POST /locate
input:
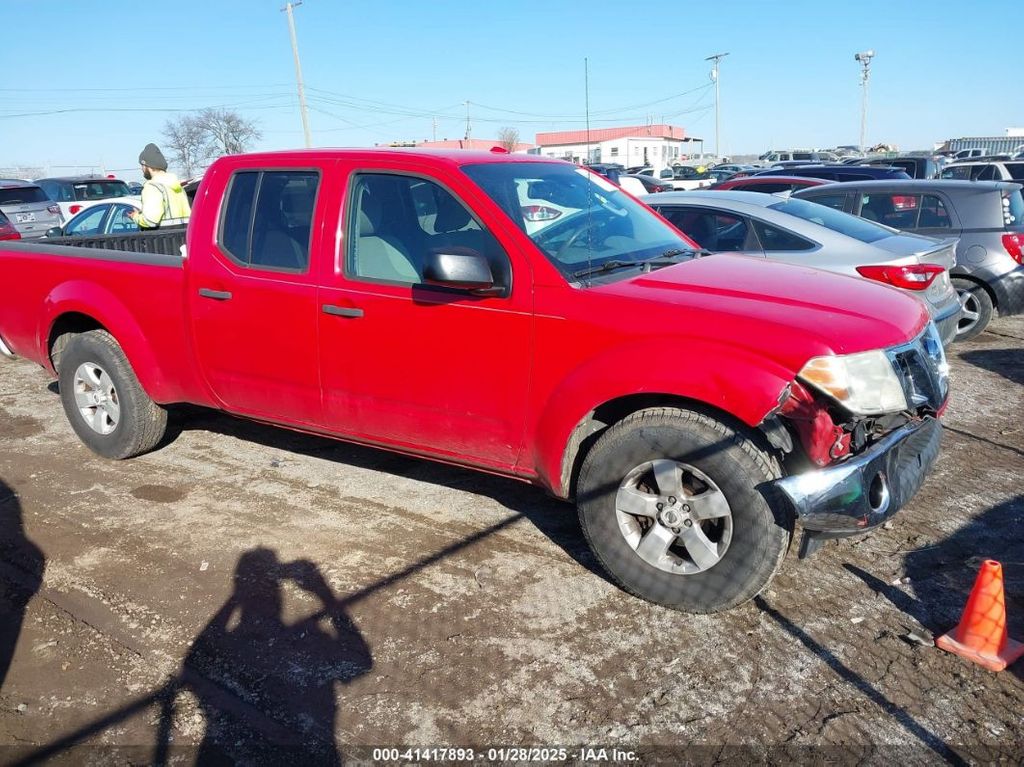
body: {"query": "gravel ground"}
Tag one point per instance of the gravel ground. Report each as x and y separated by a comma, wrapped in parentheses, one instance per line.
(245, 585)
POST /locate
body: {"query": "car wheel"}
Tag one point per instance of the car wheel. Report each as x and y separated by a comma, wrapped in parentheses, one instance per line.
(680, 509)
(975, 308)
(107, 407)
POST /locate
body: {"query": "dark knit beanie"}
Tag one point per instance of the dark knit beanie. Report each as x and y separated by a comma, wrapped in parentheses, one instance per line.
(153, 157)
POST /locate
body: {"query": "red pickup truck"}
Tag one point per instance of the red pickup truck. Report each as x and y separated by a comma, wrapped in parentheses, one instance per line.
(520, 316)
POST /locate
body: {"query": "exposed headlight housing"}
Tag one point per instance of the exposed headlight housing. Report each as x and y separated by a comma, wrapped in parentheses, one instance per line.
(864, 383)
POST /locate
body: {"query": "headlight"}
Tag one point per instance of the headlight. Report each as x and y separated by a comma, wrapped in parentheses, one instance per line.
(864, 383)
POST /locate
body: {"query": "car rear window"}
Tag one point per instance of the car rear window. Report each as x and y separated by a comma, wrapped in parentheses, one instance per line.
(100, 190)
(22, 195)
(836, 220)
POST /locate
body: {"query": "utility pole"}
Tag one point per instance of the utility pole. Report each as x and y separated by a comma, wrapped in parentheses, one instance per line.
(469, 126)
(434, 121)
(714, 78)
(298, 71)
(865, 72)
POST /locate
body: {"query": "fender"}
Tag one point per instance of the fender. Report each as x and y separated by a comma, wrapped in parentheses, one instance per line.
(95, 301)
(733, 379)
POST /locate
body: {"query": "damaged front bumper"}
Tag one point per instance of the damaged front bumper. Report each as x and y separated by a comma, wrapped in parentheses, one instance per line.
(863, 491)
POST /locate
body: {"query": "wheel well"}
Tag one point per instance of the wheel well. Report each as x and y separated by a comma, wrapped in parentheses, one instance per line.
(66, 326)
(598, 420)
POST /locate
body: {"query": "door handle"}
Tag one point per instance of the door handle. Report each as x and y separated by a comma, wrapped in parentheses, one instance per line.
(216, 295)
(342, 311)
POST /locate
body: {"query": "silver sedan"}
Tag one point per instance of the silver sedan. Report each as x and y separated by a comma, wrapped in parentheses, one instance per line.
(801, 232)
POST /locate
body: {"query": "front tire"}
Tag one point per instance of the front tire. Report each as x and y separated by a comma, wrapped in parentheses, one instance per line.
(975, 309)
(679, 509)
(107, 407)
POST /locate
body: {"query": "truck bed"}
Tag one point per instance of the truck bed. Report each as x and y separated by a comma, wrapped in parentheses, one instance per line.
(166, 242)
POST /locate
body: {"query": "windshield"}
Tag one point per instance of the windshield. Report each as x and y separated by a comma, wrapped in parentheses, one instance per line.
(833, 219)
(579, 220)
(100, 190)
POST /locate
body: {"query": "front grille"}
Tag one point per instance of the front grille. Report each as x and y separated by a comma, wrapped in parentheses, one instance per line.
(922, 369)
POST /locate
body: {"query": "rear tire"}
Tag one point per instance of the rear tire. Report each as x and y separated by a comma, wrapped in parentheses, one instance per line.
(721, 530)
(976, 309)
(107, 407)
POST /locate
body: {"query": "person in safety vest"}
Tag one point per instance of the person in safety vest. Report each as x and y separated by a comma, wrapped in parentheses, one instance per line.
(164, 202)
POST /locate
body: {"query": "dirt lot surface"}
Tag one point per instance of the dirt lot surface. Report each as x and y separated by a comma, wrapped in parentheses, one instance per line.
(244, 585)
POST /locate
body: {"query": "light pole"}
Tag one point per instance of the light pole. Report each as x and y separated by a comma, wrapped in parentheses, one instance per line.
(298, 71)
(864, 57)
(714, 78)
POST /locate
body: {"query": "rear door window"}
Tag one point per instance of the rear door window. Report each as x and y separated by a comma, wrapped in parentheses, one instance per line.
(268, 218)
(933, 214)
(773, 239)
(1016, 170)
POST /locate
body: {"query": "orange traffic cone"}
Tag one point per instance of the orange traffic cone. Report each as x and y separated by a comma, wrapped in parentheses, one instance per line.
(981, 635)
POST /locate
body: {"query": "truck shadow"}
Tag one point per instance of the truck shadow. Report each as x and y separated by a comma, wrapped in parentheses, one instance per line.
(1008, 363)
(21, 575)
(943, 574)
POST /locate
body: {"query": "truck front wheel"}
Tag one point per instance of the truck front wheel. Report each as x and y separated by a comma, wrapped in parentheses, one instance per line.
(107, 407)
(679, 509)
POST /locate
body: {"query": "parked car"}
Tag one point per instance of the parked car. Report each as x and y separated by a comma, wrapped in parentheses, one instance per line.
(76, 193)
(28, 208)
(736, 167)
(102, 218)
(650, 184)
(838, 172)
(767, 184)
(790, 155)
(985, 170)
(986, 216)
(7, 230)
(687, 177)
(800, 232)
(916, 167)
(526, 351)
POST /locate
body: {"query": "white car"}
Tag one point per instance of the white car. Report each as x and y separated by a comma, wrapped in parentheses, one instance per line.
(104, 217)
(73, 194)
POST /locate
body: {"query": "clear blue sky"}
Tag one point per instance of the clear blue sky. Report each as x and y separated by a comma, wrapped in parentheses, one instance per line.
(377, 71)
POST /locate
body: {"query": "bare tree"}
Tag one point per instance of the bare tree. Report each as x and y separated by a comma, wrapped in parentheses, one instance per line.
(508, 138)
(188, 143)
(227, 131)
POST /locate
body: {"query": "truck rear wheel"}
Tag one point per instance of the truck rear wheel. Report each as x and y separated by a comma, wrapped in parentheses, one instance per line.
(107, 407)
(679, 509)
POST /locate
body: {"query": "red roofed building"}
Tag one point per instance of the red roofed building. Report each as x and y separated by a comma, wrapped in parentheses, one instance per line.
(655, 145)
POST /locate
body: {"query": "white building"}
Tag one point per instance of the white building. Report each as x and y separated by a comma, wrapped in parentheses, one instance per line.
(656, 145)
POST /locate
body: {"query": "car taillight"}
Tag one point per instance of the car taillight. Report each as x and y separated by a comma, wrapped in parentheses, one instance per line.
(54, 209)
(540, 213)
(914, 277)
(1014, 244)
(74, 209)
(8, 232)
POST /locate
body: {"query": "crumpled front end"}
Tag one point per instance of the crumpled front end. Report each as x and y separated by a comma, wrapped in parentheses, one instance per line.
(850, 471)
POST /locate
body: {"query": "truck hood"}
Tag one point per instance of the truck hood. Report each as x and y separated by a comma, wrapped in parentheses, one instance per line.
(789, 313)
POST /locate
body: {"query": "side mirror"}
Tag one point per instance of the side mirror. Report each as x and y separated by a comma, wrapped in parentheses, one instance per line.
(466, 270)
(54, 231)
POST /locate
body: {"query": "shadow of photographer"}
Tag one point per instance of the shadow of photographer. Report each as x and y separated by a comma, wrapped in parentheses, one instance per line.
(267, 689)
(21, 575)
